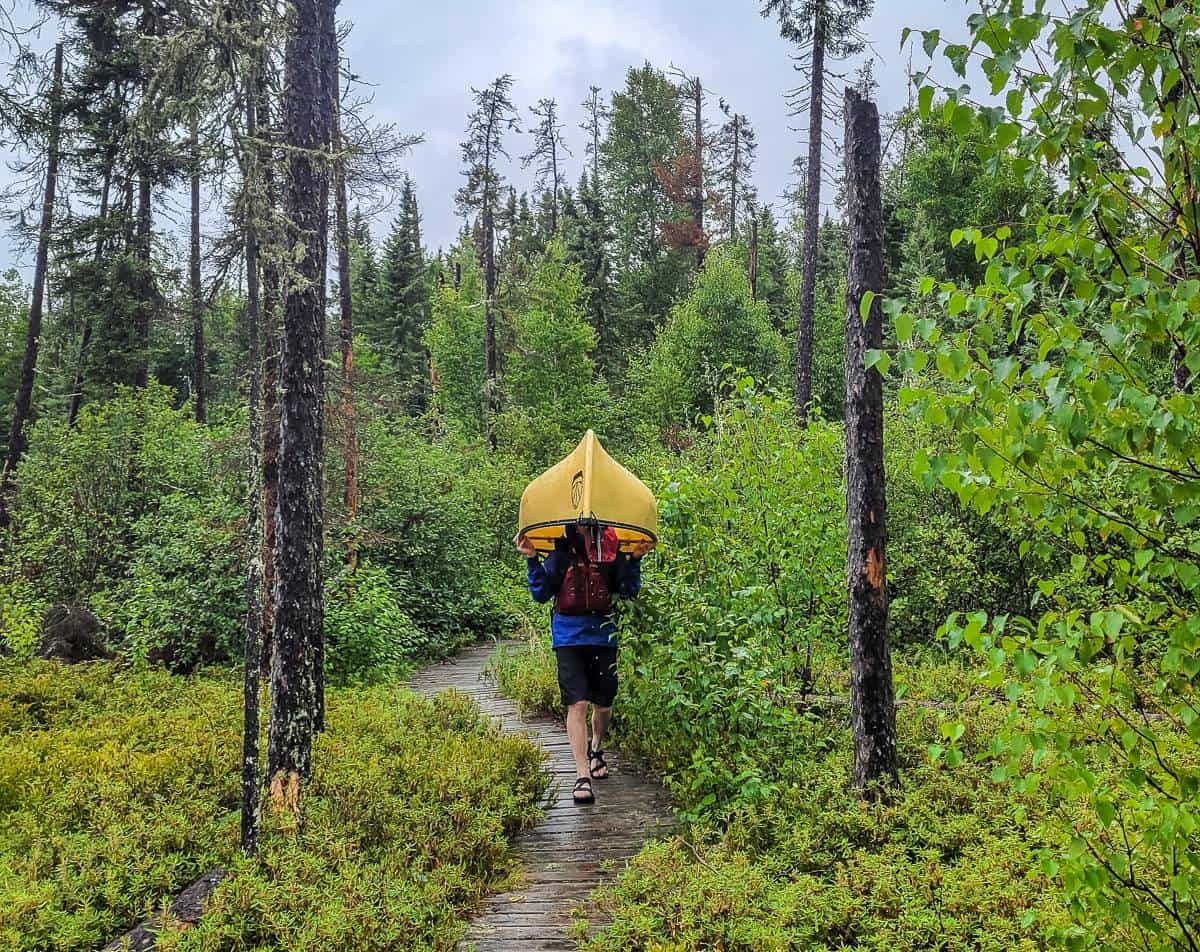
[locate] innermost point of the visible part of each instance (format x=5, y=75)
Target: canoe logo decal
x=577, y=490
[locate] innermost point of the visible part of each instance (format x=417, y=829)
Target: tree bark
x=33, y=334
x=493, y=387
x=252, y=670
x=308, y=108
x=698, y=158
x=754, y=260
x=872, y=693
x=812, y=215
x=144, y=285
x=346, y=337
x=85, y=338
x=198, y=373
x=271, y=296
x=733, y=177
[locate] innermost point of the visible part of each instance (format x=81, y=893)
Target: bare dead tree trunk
x=493, y=387
x=33, y=334
x=698, y=175
x=308, y=108
x=198, y=372
x=733, y=176
x=754, y=259
x=85, y=338
x=144, y=283
x=872, y=693
x=252, y=672
x=812, y=214
x=346, y=336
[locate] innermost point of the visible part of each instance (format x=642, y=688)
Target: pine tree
x=587, y=243
x=733, y=160
x=481, y=151
x=819, y=28
x=401, y=313
x=546, y=155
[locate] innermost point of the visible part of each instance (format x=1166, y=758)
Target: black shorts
x=587, y=673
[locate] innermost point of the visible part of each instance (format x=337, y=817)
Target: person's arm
x=629, y=575
x=545, y=578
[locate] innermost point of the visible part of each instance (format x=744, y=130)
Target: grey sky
x=422, y=58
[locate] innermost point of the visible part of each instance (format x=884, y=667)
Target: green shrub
x=528, y=673
x=367, y=633
x=747, y=582
x=21, y=614
x=117, y=788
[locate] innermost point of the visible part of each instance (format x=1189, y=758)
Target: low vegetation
x=119, y=787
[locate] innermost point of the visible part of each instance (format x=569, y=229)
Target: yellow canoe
x=588, y=486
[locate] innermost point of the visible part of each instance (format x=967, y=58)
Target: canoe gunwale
x=584, y=521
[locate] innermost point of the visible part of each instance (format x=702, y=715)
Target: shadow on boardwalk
x=573, y=849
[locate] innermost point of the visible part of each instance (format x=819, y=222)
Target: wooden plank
x=573, y=848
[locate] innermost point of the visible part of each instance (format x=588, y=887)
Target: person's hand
x=524, y=546
x=640, y=549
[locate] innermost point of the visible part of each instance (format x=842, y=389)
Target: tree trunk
x=754, y=259
x=144, y=283
x=346, y=336
x=308, y=108
x=698, y=158
x=812, y=220
x=33, y=334
x=733, y=178
x=489, y=255
x=252, y=671
x=85, y=338
x=872, y=694
x=271, y=297
x=194, y=282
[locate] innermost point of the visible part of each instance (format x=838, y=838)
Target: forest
x=917, y=656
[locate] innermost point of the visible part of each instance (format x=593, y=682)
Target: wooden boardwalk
x=574, y=848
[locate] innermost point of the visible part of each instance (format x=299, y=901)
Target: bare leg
x=601, y=718
x=577, y=735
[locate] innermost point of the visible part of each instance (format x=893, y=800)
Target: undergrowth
x=118, y=788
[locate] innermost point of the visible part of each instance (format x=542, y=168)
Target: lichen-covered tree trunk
x=346, y=337
x=252, y=671
x=812, y=221
x=197, y=297
x=33, y=332
x=872, y=694
x=308, y=114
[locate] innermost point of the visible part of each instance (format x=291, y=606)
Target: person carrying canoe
x=582, y=575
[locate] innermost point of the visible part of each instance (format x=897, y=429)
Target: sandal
x=583, y=786
x=597, y=757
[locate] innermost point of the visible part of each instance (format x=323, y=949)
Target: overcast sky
x=422, y=59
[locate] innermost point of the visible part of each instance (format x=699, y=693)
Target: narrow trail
x=573, y=849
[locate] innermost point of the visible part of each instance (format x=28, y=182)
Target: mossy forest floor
x=118, y=788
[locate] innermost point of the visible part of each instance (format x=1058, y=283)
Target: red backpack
x=584, y=589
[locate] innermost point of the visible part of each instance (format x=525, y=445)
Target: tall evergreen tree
x=400, y=314
x=588, y=239
x=547, y=153
x=733, y=161
x=820, y=29
x=494, y=115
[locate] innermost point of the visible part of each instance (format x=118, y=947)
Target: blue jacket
x=545, y=579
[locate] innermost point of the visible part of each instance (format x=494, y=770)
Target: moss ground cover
x=118, y=787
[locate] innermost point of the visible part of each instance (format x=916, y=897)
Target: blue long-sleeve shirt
x=545, y=579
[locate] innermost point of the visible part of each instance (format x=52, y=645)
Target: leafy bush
x=747, y=582
x=367, y=633
x=136, y=513
x=21, y=614
x=718, y=324
x=429, y=518
x=119, y=788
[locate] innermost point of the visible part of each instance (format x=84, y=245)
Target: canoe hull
x=588, y=486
